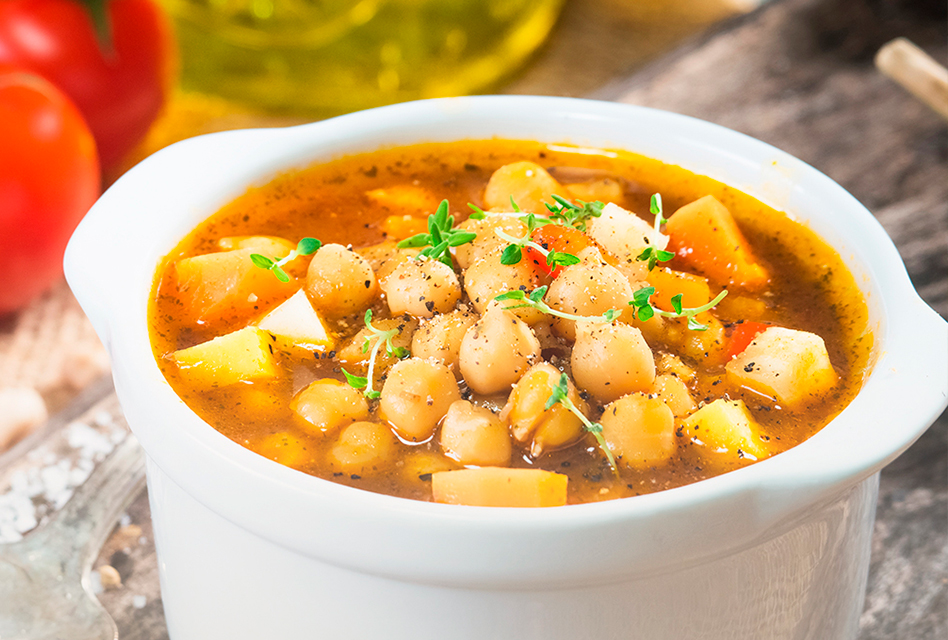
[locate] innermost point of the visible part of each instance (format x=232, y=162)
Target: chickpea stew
x=508, y=323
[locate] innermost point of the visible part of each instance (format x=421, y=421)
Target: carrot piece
x=743, y=335
x=500, y=487
x=705, y=236
x=668, y=283
x=227, y=287
x=554, y=237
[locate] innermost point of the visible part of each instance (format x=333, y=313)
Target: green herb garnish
x=441, y=235
x=478, y=213
x=305, y=247
x=561, y=395
x=655, y=208
x=643, y=309
x=380, y=337
x=534, y=300
x=573, y=215
x=653, y=256
x=513, y=252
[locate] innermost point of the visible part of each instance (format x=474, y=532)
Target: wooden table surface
x=797, y=74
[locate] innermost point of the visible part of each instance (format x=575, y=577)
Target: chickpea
x=475, y=436
x=416, y=395
x=362, y=448
x=328, y=404
x=488, y=278
x=487, y=239
x=440, y=338
x=496, y=351
x=589, y=288
x=340, y=282
x=671, y=364
x=670, y=389
x=527, y=183
x=531, y=421
x=352, y=356
x=611, y=360
x=640, y=431
x=421, y=288
x=385, y=256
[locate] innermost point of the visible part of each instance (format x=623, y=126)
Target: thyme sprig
x=305, y=247
x=652, y=255
x=643, y=309
x=380, y=337
x=655, y=208
x=513, y=252
x=561, y=395
x=574, y=215
x=534, y=300
x=440, y=237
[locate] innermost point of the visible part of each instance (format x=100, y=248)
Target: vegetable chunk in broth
x=508, y=323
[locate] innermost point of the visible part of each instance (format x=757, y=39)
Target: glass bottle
x=324, y=57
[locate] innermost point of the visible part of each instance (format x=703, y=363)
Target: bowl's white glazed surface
x=776, y=550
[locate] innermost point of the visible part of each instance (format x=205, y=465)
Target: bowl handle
x=908, y=392
x=87, y=270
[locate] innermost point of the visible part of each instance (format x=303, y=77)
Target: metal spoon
x=45, y=592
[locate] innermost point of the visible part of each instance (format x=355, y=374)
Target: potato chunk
x=725, y=427
x=640, y=430
x=475, y=436
x=500, y=487
x=625, y=235
x=362, y=448
x=296, y=324
x=244, y=354
x=327, y=404
x=793, y=366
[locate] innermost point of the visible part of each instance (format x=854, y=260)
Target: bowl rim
x=762, y=499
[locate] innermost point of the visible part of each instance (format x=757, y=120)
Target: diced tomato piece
x=744, y=334
x=554, y=237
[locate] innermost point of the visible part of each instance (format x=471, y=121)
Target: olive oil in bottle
x=324, y=57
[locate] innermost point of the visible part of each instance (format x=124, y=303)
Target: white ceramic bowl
x=249, y=549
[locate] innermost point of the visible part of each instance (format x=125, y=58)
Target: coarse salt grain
x=139, y=601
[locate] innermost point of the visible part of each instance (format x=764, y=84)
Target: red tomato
x=49, y=177
x=554, y=237
x=743, y=335
x=119, y=90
